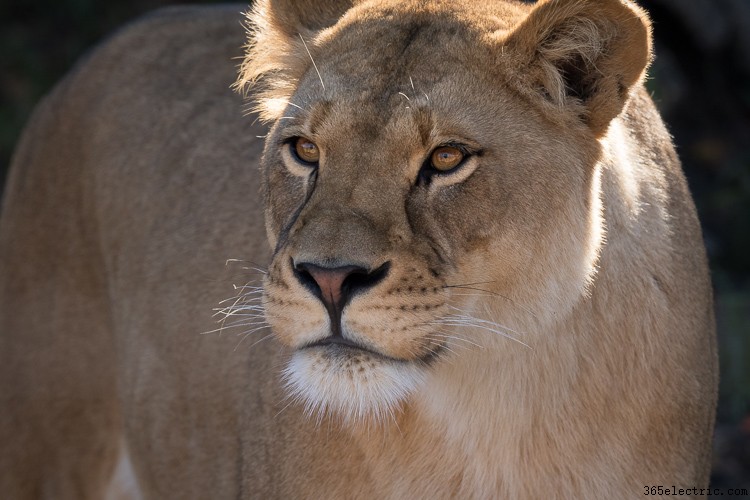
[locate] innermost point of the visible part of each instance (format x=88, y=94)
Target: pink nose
x=335, y=286
x=331, y=282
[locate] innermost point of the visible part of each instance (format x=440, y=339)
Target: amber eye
x=446, y=158
x=306, y=150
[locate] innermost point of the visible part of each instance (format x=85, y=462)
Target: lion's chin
x=356, y=386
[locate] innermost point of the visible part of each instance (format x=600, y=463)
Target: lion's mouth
x=337, y=345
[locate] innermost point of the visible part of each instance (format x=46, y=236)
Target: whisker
x=484, y=327
x=238, y=298
x=296, y=105
x=248, y=286
x=242, y=261
x=250, y=268
x=445, y=345
x=244, y=318
x=257, y=327
x=244, y=310
x=454, y=337
x=247, y=296
x=471, y=294
x=494, y=294
x=241, y=311
x=239, y=316
x=463, y=316
x=244, y=321
x=246, y=291
x=238, y=307
x=244, y=304
x=262, y=324
x=254, y=344
x=254, y=263
x=291, y=401
x=462, y=285
x=313, y=62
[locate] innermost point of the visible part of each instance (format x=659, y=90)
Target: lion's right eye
x=306, y=151
x=446, y=158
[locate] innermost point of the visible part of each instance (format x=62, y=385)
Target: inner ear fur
x=584, y=55
x=276, y=56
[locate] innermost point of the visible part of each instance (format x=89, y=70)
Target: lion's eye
x=446, y=158
x=306, y=150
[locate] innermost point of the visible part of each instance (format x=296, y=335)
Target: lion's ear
x=584, y=55
x=293, y=17
x=280, y=33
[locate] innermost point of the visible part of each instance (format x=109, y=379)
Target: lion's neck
x=462, y=435
x=495, y=423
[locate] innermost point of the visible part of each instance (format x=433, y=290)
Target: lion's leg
x=58, y=397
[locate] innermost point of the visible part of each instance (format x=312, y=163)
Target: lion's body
x=137, y=178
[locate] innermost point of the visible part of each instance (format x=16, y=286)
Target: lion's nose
x=335, y=286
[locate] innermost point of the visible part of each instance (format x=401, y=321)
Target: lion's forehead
x=426, y=75
x=375, y=46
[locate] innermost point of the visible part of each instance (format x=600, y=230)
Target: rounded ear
x=280, y=34
x=584, y=55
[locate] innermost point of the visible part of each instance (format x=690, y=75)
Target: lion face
x=421, y=202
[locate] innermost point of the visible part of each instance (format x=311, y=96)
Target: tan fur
x=548, y=304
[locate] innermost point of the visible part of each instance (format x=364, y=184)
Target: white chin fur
x=357, y=387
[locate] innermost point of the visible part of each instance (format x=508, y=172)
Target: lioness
x=485, y=276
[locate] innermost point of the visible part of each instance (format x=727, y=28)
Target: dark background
x=700, y=80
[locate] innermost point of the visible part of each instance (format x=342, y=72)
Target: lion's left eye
x=446, y=158
x=306, y=150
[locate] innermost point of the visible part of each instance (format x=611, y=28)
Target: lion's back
x=133, y=183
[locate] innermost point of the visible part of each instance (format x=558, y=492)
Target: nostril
x=361, y=279
x=305, y=278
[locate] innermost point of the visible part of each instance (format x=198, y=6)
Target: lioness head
x=431, y=178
